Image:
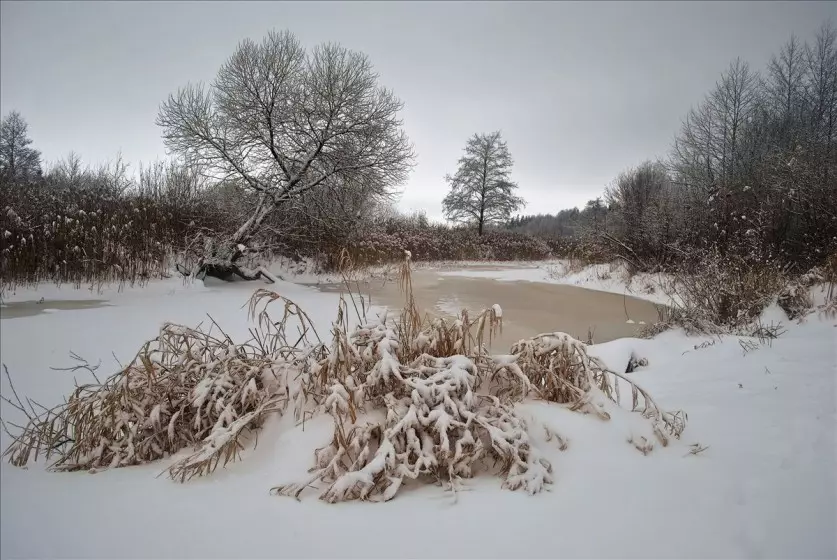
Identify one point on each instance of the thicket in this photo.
(91, 226)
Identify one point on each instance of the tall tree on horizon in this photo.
(482, 191)
(17, 160)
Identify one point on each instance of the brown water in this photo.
(17, 309)
(529, 308)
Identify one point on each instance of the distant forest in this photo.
(566, 223)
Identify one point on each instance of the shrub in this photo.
(718, 294)
(386, 243)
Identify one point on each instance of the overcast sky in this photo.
(581, 91)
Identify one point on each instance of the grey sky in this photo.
(581, 91)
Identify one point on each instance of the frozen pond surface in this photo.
(529, 308)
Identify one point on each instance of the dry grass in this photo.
(411, 399)
(696, 449)
(185, 388)
(795, 301)
(826, 276)
(795, 298)
(725, 295)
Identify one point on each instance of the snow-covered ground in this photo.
(611, 278)
(765, 487)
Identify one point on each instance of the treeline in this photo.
(569, 223)
(74, 224)
(82, 225)
(752, 174)
(750, 180)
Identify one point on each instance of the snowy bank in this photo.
(764, 486)
(612, 278)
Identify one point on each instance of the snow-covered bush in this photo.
(433, 402)
(795, 299)
(385, 243)
(718, 293)
(186, 388)
(412, 398)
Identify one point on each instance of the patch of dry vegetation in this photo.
(411, 398)
(185, 388)
(728, 296)
(721, 295)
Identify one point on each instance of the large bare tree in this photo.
(283, 121)
(481, 191)
(785, 82)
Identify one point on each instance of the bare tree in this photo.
(284, 122)
(325, 219)
(752, 169)
(17, 160)
(178, 183)
(595, 214)
(785, 80)
(735, 98)
(68, 170)
(708, 152)
(821, 62)
(694, 154)
(481, 190)
(641, 201)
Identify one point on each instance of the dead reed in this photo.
(416, 398)
(185, 388)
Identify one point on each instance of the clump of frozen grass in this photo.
(824, 277)
(829, 271)
(722, 295)
(411, 399)
(729, 299)
(435, 424)
(561, 371)
(795, 298)
(187, 388)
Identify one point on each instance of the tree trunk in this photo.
(482, 217)
(254, 222)
(221, 260)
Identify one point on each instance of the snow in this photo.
(612, 278)
(450, 305)
(765, 485)
(305, 271)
